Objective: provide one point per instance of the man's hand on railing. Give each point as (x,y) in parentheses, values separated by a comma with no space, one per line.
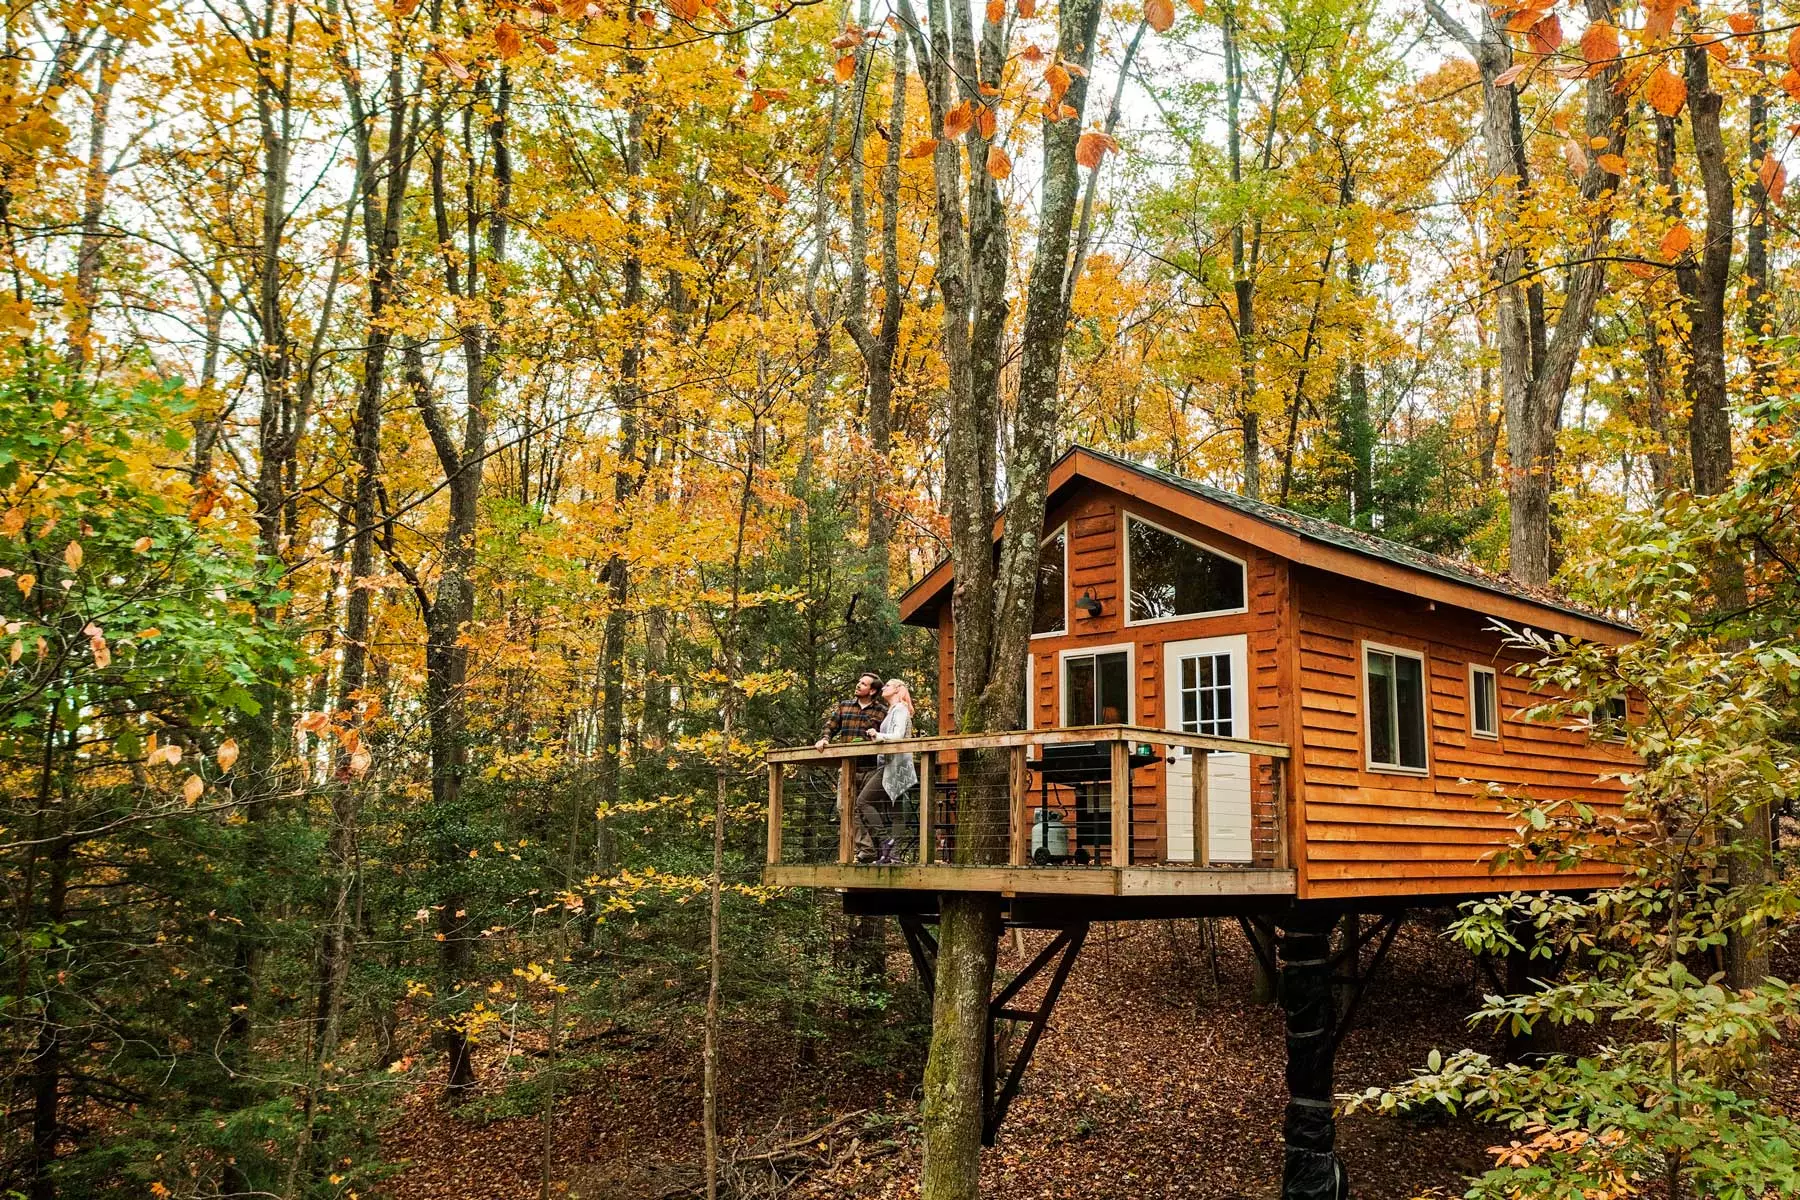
(821,743)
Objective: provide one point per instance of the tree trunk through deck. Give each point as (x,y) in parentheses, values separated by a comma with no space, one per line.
(1310,1167)
(992,603)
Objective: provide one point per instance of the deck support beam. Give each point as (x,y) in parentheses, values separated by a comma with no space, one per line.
(1000,1083)
(1000,1086)
(1310,1168)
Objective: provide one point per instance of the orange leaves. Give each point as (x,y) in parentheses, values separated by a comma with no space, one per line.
(1599,43)
(1659,17)
(405,8)
(1666,91)
(1773,177)
(1612,164)
(996,11)
(998,164)
(845,70)
(227,754)
(1790,83)
(1091,147)
(685,10)
(192,789)
(457,71)
(1793,50)
(72,556)
(987,121)
(1741,23)
(1026,9)
(1159,14)
(1511,75)
(1545,35)
(1057,79)
(507,39)
(921,149)
(959,120)
(1575,156)
(1676,241)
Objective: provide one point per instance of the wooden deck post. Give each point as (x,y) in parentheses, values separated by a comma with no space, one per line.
(1202,825)
(1018,778)
(1121,803)
(927,818)
(774,858)
(1281,812)
(846,809)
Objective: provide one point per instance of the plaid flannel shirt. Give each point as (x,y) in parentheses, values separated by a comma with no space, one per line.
(851,722)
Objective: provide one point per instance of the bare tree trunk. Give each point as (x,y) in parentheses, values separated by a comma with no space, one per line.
(625,477)
(446,656)
(1536,363)
(991,607)
(878,350)
(95,179)
(1705,286)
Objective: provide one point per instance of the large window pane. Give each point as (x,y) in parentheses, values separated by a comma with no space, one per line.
(1097,689)
(1409,710)
(1173,577)
(1381,707)
(1050,608)
(1078,690)
(1115,689)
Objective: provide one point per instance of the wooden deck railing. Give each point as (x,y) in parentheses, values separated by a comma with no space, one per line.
(813,822)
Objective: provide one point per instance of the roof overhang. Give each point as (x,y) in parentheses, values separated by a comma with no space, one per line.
(921,602)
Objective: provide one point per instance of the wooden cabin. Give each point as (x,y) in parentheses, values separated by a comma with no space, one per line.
(1287,708)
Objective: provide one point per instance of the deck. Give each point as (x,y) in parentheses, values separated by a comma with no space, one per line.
(1117,811)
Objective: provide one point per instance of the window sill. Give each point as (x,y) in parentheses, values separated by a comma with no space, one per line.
(1486,737)
(1390,769)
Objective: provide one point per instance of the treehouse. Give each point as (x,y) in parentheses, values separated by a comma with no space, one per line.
(1230,704)
(1231,710)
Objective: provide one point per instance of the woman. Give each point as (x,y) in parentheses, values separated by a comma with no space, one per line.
(882,791)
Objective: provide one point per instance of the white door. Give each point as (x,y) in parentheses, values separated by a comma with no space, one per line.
(1206,690)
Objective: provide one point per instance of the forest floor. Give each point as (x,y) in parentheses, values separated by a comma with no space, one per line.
(1152,1081)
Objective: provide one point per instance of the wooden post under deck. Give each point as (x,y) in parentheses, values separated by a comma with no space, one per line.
(1121,803)
(927,774)
(1017,779)
(774,814)
(846,809)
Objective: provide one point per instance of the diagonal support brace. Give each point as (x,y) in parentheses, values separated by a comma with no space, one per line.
(998,1093)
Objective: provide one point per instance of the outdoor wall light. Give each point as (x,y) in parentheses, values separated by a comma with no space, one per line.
(1089,606)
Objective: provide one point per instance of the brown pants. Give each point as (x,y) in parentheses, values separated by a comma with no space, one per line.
(873,821)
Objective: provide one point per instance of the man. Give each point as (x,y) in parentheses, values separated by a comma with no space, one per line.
(851,721)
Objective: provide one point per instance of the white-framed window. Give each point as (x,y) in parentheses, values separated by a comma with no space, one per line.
(1395,725)
(1484,701)
(1169,576)
(1097,686)
(1050,602)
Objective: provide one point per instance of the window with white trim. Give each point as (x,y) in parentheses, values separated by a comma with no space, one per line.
(1174,576)
(1395,715)
(1484,702)
(1097,688)
(1050,605)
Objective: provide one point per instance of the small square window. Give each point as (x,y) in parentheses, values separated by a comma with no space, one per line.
(1484,707)
(1611,718)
